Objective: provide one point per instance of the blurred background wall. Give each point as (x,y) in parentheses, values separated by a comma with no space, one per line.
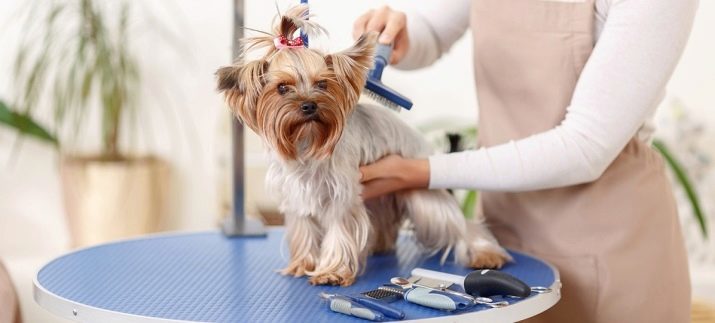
(184,121)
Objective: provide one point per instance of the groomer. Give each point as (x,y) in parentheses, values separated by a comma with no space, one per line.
(567,90)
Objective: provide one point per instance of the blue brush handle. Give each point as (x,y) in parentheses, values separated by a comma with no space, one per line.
(345,305)
(379,306)
(382,59)
(437,299)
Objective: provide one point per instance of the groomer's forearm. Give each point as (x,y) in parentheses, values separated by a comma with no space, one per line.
(618,90)
(416,173)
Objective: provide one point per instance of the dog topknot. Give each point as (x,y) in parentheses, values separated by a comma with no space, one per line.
(287,25)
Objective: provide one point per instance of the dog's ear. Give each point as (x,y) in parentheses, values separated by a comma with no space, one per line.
(351,65)
(242,85)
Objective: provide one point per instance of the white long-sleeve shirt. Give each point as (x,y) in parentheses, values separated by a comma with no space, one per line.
(638,44)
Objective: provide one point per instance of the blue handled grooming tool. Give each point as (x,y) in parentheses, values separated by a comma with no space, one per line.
(348,306)
(423,282)
(377,299)
(440,298)
(437,299)
(379,92)
(429,297)
(374,88)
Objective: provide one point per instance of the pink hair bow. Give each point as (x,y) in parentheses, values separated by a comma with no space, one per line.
(283,42)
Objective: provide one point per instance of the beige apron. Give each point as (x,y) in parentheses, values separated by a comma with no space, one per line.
(616,241)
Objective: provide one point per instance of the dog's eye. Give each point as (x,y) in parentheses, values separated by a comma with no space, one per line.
(322,84)
(282,88)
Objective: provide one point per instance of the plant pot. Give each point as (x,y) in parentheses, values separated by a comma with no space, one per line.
(112,199)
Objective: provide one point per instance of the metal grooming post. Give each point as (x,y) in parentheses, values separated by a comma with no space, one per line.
(237,224)
(303,35)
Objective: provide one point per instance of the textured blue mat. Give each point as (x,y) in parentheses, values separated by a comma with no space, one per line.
(207,277)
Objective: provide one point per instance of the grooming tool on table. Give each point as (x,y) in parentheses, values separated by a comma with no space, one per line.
(348,306)
(429,297)
(377,300)
(382,295)
(444,286)
(485,283)
(430,282)
(385,294)
(441,286)
(376,90)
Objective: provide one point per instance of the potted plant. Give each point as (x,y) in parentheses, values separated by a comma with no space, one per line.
(75,61)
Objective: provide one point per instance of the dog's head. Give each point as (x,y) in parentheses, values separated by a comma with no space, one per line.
(297,98)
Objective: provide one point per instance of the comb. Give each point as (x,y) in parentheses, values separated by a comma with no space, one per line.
(385,294)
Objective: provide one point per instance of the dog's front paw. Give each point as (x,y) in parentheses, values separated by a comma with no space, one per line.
(298,268)
(332,279)
(492,259)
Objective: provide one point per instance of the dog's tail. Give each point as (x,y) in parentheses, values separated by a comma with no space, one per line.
(440,225)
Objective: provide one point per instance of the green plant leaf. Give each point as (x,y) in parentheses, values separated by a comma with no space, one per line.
(682,177)
(24,124)
(83,64)
(469,203)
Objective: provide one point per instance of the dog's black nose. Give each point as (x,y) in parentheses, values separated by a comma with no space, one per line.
(308,107)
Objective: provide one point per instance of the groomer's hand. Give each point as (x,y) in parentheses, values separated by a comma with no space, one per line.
(393,173)
(392,26)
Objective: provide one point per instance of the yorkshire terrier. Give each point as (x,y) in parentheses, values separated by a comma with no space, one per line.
(304,105)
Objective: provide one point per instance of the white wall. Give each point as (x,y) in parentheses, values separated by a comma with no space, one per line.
(189,123)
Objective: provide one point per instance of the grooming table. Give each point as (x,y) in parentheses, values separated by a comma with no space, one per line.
(207,277)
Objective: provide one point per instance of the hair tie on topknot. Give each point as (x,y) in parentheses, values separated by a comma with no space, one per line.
(282,42)
(283,35)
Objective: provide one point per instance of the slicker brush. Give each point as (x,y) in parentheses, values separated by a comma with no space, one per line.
(378,91)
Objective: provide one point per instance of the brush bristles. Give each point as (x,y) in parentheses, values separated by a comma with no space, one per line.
(382,100)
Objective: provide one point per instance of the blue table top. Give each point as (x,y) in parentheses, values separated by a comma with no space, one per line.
(210,278)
